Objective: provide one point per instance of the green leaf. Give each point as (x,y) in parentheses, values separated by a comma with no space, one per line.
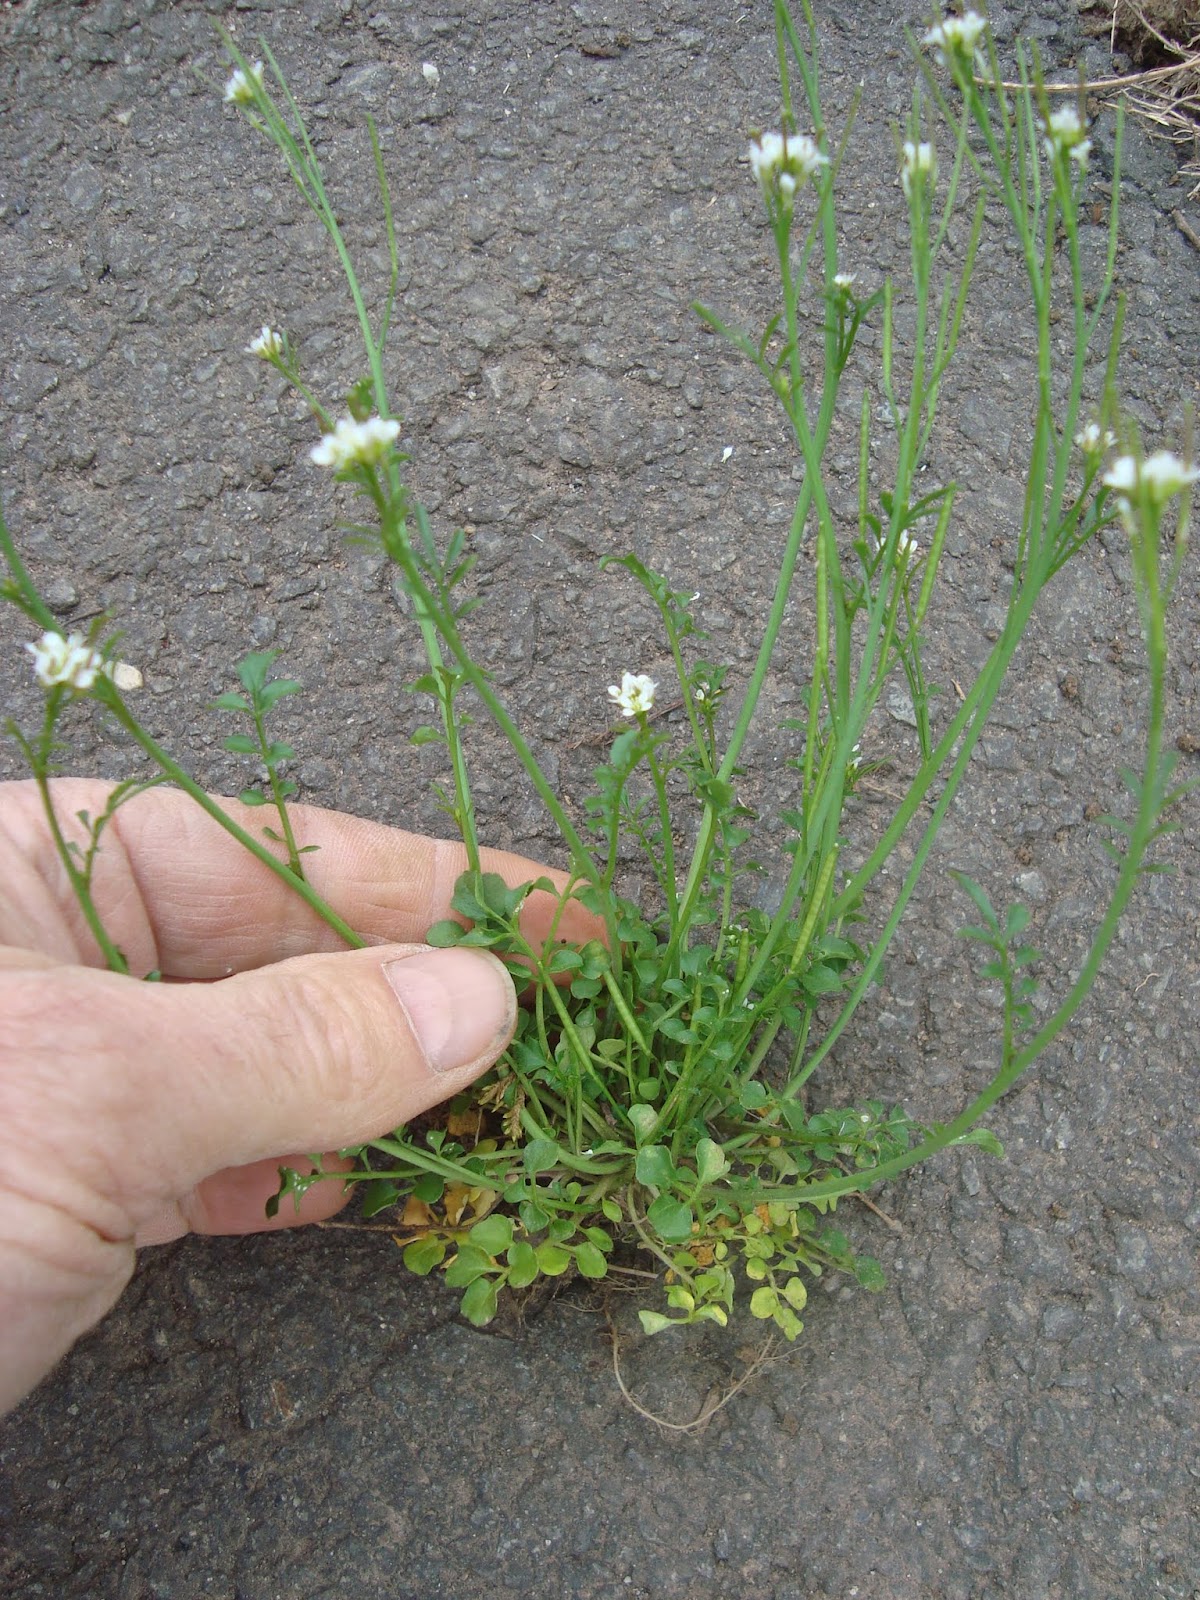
(984,1138)
(253,670)
(478,1305)
(444,934)
(655,1322)
(277,752)
(644,1120)
(590,1261)
(869,1273)
(764,1303)
(753,1095)
(670,1219)
(429,1187)
(468,1264)
(564,959)
(611,1209)
(240,744)
(552,1259)
(795,1293)
(277,690)
(522,1265)
(425,735)
(379,1195)
(541,1155)
(251,797)
(711,1162)
(533,1218)
(494,1234)
(229,702)
(982,904)
(655,1167)
(422,1255)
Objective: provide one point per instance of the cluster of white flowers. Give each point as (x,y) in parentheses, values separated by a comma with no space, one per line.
(1157,479)
(239,91)
(1094,440)
(71,662)
(955,39)
(356,444)
(785,162)
(920,167)
(268,344)
(1066,136)
(635,696)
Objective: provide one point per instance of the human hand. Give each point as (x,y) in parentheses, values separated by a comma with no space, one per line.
(132,1113)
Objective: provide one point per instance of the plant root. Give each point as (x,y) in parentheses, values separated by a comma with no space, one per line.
(715,1400)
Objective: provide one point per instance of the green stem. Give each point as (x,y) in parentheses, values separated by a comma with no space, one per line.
(110,698)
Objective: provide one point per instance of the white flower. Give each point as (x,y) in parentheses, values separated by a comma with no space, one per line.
(955,38)
(920,166)
(766,154)
(67,661)
(431,74)
(1165,475)
(843,282)
(1094,440)
(635,697)
(1066,136)
(239,91)
(786,161)
(1158,478)
(356,444)
(907,547)
(268,344)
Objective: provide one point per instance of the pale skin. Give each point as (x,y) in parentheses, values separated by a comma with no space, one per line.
(132,1113)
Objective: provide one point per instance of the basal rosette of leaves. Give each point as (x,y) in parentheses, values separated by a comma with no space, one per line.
(654,1103)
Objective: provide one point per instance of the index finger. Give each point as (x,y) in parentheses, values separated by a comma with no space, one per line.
(179,894)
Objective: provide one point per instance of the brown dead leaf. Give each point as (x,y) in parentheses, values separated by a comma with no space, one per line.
(416,1214)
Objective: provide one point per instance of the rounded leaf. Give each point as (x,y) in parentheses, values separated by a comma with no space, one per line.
(590,1261)
(764,1302)
(422,1255)
(655,1322)
(541,1155)
(795,1293)
(494,1234)
(522,1265)
(670,1219)
(478,1305)
(552,1259)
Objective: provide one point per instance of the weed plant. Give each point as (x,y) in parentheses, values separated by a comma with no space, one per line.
(655,1092)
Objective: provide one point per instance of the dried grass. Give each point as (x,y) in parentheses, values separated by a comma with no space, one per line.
(1166,95)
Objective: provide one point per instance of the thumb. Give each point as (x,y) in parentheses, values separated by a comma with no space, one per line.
(324,1051)
(142,1091)
(118,1099)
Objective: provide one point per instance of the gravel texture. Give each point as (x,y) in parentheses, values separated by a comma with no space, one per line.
(1015,1415)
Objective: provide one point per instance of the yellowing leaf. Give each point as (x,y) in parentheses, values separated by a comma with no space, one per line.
(416,1214)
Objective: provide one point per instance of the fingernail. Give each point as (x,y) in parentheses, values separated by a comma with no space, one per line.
(461,1005)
